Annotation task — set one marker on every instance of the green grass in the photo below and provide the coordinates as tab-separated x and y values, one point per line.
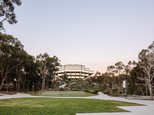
148	99
62	93
66	94
55	106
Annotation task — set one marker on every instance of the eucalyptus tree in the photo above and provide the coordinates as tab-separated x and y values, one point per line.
7	11
146	63
41	61
47	67
119	72
119	66
111	70
12	57
129	67
136	85
26	75
32	79
53	65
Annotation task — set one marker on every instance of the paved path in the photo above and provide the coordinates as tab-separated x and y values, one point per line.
148	109
18	95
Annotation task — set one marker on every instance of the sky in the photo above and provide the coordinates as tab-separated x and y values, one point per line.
94	33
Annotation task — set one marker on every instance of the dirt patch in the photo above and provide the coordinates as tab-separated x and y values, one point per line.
8	93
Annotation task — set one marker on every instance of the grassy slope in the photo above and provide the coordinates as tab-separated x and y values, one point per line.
66	94
50	106
62	93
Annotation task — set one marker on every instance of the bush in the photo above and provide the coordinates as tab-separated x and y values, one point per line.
92	91
112	92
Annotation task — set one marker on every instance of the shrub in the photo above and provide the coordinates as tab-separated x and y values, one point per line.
92	91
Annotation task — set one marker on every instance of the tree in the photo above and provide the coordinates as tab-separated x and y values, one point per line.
53	65
47	67
12	57
25	75
137	86
110	70
118	73
129	67
31	77
41	61
119	67
146	63
7	11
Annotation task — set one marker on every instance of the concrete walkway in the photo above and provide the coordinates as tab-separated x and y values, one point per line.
148	109
18	95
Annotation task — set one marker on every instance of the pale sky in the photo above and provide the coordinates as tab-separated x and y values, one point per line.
95	33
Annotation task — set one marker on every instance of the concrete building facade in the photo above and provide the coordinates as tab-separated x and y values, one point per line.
74	71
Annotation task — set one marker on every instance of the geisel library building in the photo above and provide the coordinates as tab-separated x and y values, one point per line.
75	71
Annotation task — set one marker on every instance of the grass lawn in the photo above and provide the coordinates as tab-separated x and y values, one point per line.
63	93
66	94
149	99
55	106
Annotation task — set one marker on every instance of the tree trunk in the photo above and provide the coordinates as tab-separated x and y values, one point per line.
2	82
43	83
28	85
19	83
150	90
141	90
1	85
146	90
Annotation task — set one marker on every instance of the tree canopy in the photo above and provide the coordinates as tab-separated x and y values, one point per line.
12	56
146	63
22	70
7	11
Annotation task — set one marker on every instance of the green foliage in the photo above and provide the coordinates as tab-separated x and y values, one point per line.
92	91
135	85
146	63
7	11
12	58
111	85
21	69
46	68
